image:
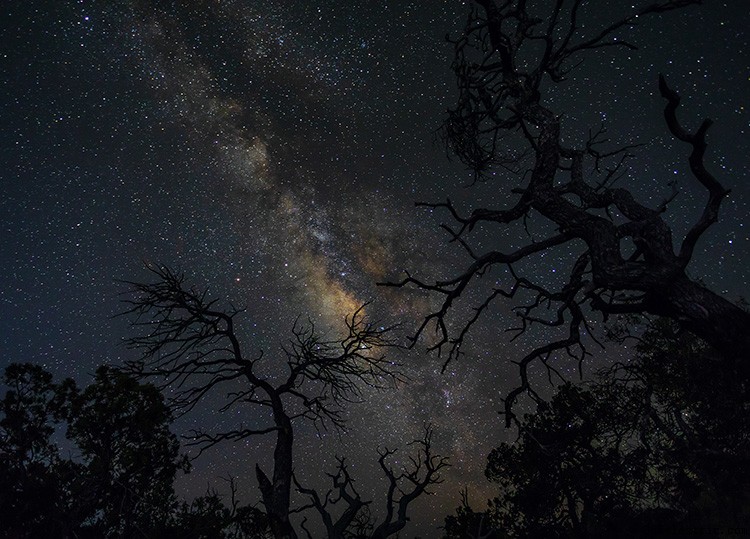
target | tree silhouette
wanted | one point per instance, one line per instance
(690, 411)
(208, 517)
(653, 446)
(117, 480)
(505, 59)
(121, 429)
(34, 477)
(571, 469)
(404, 486)
(190, 346)
(468, 524)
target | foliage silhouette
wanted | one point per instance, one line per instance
(34, 476)
(118, 478)
(469, 524)
(654, 445)
(121, 429)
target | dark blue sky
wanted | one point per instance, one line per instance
(272, 150)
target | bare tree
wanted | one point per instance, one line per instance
(626, 262)
(404, 486)
(190, 348)
(407, 484)
(342, 492)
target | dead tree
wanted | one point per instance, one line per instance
(408, 484)
(626, 262)
(190, 347)
(404, 486)
(343, 494)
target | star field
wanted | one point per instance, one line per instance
(273, 150)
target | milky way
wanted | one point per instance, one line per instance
(273, 151)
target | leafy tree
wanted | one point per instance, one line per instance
(504, 123)
(118, 478)
(568, 472)
(469, 524)
(121, 429)
(692, 409)
(34, 478)
(656, 444)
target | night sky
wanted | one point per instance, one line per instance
(272, 150)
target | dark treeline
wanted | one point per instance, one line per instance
(113, 474)
(654, 447)
(119, 478)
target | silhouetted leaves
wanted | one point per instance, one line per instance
(34, 478)
(112, 477)
(653, 445)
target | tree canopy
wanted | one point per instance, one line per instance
(651, 446)
(118, 477)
